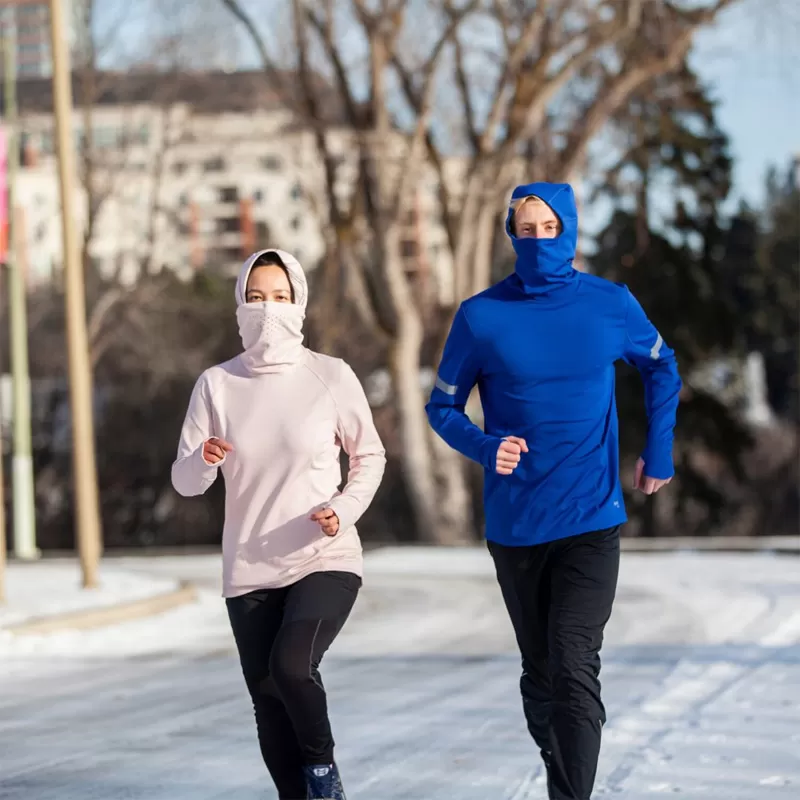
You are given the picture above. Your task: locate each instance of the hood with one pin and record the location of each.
(545, 265)
(272, 333)
(296, 276)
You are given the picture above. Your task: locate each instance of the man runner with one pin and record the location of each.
(541, 346)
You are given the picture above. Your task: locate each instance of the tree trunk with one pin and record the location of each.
(414, 433)
(649, 529)
(454, 499)
(484, 239)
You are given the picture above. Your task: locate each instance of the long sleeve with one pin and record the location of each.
(458, 373)
(647, 351)
(191, 473)
(359, 439)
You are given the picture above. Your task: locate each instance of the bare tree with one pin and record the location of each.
(527, 86)
(120, 164)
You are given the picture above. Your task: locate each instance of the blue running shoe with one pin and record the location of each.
(324, 782)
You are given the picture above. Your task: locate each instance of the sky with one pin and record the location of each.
(749, 58)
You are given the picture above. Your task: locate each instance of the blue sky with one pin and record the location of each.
(750, 58)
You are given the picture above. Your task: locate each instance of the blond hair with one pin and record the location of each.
(517, 204)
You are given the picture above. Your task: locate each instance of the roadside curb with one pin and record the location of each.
(782, 545)
(87, 619)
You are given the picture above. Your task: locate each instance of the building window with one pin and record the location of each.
(296, 223)
(228, 194)
(271, 163)
(216, 164)
(36, 68)
(262, 234)
(296, 192)
(226, 255)
(258, 196)
(179, 167)
(230, 225)
(105, 137)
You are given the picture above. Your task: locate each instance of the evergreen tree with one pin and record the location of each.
(762, 268)
(664, 241)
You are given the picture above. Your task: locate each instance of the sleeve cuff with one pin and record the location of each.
(343, 508)
(206, 463)
(488, 452)
(658, 464)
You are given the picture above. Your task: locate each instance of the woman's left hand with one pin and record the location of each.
(327, 520)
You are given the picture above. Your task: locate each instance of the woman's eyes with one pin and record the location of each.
(259, 298)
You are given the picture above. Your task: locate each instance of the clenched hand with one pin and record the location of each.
(645, 484)
(509, 454)
(214, 450)
(327, 520)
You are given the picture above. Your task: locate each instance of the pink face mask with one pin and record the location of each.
(272, 333)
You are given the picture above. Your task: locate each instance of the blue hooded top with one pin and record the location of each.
(541, 347)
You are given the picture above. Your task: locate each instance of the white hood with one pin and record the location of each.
(272, 333)
(296, 276)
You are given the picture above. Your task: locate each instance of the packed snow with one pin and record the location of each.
(701, 676)
(43, 588)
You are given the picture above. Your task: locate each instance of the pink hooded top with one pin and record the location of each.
(287, 412)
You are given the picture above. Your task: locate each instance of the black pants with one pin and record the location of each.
(281, 635)
(559, 597)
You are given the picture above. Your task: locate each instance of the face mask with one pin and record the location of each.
(272, 335)
(544, 264)
(546, 256)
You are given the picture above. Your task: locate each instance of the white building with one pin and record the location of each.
(191, 172)
(29, 23)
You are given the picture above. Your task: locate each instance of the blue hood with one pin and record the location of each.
(544, 265)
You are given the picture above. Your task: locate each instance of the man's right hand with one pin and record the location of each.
(214, 450)
(509, 454)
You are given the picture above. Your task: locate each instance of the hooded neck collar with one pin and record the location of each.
(545, 266)
(272, 333)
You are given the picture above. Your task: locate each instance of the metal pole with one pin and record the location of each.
(3, 554)
(87, 510)
(24, 509)
(3, 558)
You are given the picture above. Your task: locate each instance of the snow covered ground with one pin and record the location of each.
(42, 588)
(701, 678)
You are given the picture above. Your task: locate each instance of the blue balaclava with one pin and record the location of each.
(546, 264)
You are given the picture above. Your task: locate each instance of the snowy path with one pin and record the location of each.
(701, 677)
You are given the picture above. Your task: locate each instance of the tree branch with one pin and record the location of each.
(523, 45)
(325, 31)
(255, 37)
(408, 172)
(541, 93)
(466, 99)
(630, 78)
